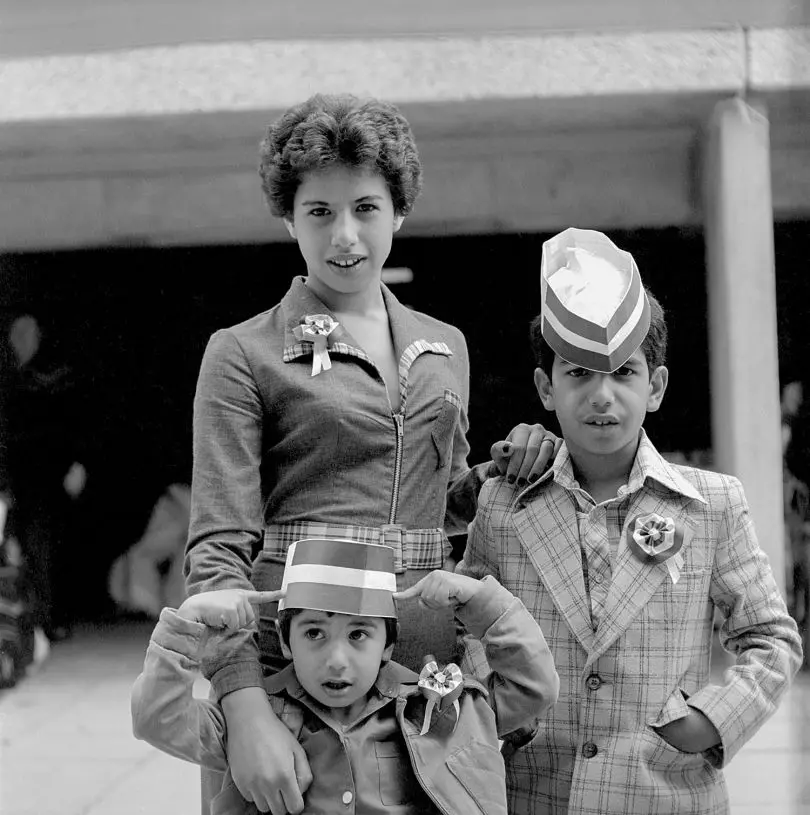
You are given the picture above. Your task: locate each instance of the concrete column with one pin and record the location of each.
(742, 315)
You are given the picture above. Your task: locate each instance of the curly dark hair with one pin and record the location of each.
(654, 345)
(328, 131)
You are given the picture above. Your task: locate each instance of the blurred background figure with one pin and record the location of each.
(149, 575)
(43, 472)
(796, 477)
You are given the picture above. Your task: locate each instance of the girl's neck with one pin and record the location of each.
(361, 303)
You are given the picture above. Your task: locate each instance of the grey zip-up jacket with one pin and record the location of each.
(275, 446)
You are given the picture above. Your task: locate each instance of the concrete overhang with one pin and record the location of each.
(158, 145)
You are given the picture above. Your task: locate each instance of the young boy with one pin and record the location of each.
(623, 558)
(378, 737)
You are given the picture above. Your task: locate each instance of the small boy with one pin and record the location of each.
(623, 558)
(378, 737)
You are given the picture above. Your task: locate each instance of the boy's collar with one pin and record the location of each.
(391, 676)
(648, 463)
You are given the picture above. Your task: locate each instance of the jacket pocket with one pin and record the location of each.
(479, 769)
(444, 427)
(393, 766)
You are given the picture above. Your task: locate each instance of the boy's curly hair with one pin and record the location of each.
(327, 131)
(654, 346)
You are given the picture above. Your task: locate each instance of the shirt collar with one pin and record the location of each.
(648, 464)
(388, 683)
(300, 301)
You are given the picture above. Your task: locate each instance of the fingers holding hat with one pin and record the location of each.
(226, 609)
(441, 589)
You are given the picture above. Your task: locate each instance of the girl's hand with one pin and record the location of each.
(525, 454)
(226, 609)
(441, 589)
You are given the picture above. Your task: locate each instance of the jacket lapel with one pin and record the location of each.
(633, 582)
(549, 533)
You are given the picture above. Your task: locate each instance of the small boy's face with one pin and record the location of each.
(337, 658)
(601, 413)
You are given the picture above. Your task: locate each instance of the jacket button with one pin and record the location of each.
(589, 749)
(347, 797)
(593, 682)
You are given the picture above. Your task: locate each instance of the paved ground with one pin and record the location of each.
(66, 746)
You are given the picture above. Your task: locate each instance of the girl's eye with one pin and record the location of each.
(367, 208)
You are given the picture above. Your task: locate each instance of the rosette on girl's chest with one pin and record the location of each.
(653, 539)
(441, 688)
(316, 328)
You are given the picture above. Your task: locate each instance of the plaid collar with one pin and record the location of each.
(648, 464)
(406, 327)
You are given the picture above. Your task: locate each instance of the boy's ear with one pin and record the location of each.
(544, 389)
(386, 654)
(285, 649)
(658, 386)
(389, 649)
(290, 227)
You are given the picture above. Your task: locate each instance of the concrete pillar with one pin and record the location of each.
(742, 315)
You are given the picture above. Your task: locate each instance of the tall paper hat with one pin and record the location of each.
(344, 576)
(594, 310)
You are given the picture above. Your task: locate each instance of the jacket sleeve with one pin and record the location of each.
(757, 629)
(164, 711)
(226, 521)
(523, 682)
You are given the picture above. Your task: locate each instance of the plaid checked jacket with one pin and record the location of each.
(596, 752)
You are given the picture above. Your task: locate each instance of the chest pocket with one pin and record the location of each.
(395, 773)
(444, 427)
(478, 767)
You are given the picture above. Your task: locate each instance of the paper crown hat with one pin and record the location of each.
(344, 576)
(594, 310)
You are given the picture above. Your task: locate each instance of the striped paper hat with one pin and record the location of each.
(343, 576)
(595, 312)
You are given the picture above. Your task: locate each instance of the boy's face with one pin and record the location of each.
(601, 414)
(344, 221)
(337, 658)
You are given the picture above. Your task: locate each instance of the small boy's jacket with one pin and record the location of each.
(456, 764)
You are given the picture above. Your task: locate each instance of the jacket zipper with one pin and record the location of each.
(399, 426)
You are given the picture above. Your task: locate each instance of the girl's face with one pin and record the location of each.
(343, 220)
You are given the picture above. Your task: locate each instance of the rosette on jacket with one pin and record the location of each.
(654, 539)
(441, 688)
(316, 328)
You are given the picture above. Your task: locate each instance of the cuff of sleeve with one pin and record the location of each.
(718, 756)
(175, 633)
(483, 610)
(236, 676)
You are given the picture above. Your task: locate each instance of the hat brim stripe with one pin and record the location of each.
(362, 602)
(603, 360)
(338, 576)
(608, 335)
(636, 319)
(346, 554)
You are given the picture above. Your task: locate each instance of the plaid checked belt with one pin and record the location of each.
(413, 548)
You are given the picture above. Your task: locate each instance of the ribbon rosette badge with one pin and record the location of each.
(654, 539)
(316, 328)
(441, 688)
